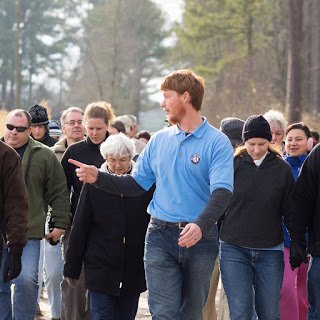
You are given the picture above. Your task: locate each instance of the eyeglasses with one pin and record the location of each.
(19, 129)
(73, 122)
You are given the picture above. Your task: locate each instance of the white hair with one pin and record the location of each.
(67, 111)
(126, 121)
(133, 119)
(117, 145)
(274, 116)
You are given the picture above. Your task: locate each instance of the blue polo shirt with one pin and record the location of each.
(186, 170)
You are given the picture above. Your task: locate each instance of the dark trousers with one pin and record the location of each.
(107, 307)
(75, 304)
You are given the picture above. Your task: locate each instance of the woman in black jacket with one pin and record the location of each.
(251, 258)
(108, 236)
(96, 119)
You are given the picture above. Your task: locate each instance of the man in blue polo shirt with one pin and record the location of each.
(191, 164)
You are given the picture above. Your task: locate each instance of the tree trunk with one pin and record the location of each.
(30, 87)
(136, 88)
(115, 40)
(294, 74)
(95, 69)
(4, 81)
(249, 43)
(315, 58)
(17, 102)
(61, 71)
(10, 99)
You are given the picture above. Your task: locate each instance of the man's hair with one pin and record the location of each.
(185, 80)
(67, 111)
(20, 113)
(99, 110)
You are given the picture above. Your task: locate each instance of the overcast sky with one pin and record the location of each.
(173, 8)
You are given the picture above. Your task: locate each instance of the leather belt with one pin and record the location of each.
(180, 225)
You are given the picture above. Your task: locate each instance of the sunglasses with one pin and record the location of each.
(19, 129)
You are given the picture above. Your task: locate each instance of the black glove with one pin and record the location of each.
(298, 255)
(12, 267)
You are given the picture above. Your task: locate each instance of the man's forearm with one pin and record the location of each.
(216, 207)
(115, 184)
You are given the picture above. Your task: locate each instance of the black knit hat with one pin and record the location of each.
(38, 115)
(232, 128)
(256, 127)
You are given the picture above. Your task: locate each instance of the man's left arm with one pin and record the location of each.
(214, 210)
(221, 177)
(203, 225)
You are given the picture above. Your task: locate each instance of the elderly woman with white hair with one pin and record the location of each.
(278, 125)
(108, 237)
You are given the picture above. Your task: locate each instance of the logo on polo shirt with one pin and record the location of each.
(195, 158)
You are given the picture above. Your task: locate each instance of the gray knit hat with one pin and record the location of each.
(232, 128)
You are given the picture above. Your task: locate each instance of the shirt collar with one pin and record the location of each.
(198, 132)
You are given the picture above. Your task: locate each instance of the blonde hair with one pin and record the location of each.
(99, 110)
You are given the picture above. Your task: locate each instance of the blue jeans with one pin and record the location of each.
(178, 279)
(314, 288)
(107, 307)
(53, 271)
(252, 278)
(26, 286)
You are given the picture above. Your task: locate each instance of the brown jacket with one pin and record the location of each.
(13, 199)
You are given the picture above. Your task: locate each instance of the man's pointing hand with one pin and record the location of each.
(85, 173)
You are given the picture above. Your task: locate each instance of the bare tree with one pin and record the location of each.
(17, 57)
(315, 57)
(294, 73)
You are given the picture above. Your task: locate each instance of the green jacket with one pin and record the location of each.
(46, 185)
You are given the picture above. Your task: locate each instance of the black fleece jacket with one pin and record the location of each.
(306, 199)
(84, 151)
(261, 196)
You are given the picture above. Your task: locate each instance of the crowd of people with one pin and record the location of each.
(98, 213)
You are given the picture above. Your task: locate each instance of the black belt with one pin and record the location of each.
(180, 225)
